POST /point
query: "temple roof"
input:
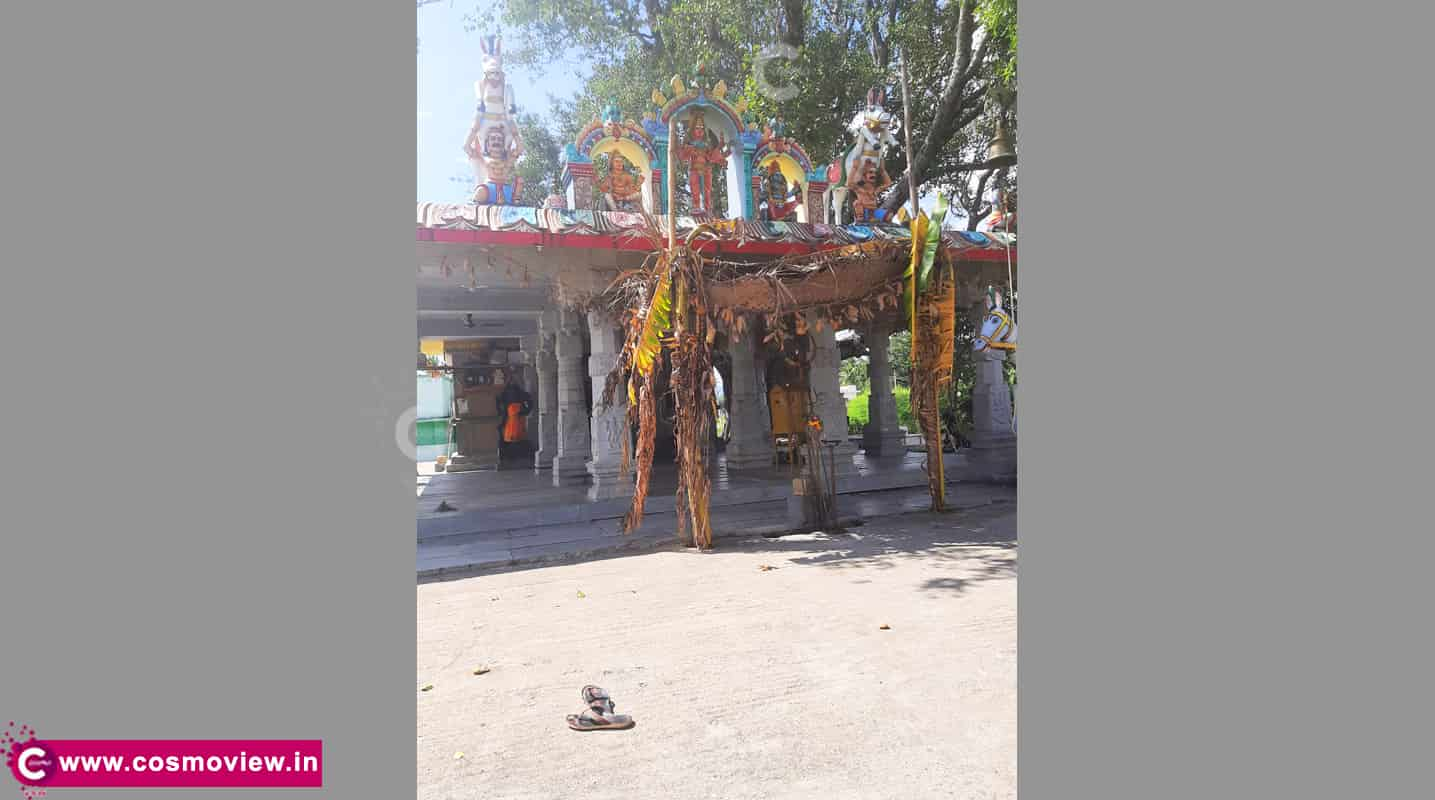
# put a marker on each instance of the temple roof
(523, 225)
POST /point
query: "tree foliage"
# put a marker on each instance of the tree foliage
(540, 166)
(853, 372)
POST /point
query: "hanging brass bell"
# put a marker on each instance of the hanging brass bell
(1001, 153)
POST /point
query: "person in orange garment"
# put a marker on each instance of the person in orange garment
(514, 405)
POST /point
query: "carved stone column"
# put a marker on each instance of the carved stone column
(546, 392)
(883, 437)
(751, 444)
(829, 404)
(609, 423)
(993, 451)
(569, 463)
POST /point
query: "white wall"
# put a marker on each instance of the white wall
(435, 397)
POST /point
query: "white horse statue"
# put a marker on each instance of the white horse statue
(496, 109)
(998, 331)
(875, 130)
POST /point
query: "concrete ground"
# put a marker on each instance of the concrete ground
(744, 683)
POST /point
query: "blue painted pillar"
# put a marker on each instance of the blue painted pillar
(748, 148)
(661, 145)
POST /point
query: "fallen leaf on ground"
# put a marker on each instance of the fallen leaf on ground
(580, 593)
(885, 628)
(458, 755)
(426, 687)
(480, 670)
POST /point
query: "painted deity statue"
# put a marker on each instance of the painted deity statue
(774, 136)
(698, 156)
(622, 188)
(778, 202)
(493, 141)
(1003, 216)
(998, 331)
(871, 181)
(499, 157)
(875, 130)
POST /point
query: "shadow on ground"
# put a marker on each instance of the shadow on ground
(980, 543)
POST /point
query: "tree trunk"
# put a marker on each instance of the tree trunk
(795, 22)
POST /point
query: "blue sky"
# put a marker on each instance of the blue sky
(448, 64)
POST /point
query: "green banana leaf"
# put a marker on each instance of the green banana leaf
(934, 240)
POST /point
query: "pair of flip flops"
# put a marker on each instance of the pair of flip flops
(599, 716)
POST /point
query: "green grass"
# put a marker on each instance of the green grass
(857, 410)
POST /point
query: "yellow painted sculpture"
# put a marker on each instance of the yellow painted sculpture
(622, 187)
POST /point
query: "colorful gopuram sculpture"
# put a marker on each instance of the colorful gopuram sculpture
(778, 202)
(493, 145)
(875, 130)
(622, 186)
(616, 164)
(698, 155)
(712, 131)
(862, 171)
(870, 181)
(784, 180)
(626, 184)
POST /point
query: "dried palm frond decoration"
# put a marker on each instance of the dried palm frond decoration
(931, 298)
(667, 303)
(677, 302)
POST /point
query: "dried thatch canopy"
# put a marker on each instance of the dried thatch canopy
(853, 274)
(847, 285)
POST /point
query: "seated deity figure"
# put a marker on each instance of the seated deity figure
(778, 201)
(622, 189)
(499, 158)
(873, 181)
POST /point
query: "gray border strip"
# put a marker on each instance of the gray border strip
(209, 208)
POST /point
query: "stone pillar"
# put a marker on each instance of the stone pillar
(993, 451)
(751, 444)
(610, 432)
(572, 439)
(545, 393)
(829, 404)
(883, 437)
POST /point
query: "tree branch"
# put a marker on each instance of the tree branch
(949, 106)
(653, 9)
(980, 57)
(881, 36)
(975, 214)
